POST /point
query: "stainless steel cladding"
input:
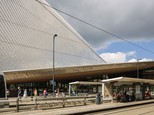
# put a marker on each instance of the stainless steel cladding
(27, 28)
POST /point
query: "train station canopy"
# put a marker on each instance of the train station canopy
(76, 73)
(124, 80)
(85, 83)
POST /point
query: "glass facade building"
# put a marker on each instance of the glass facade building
(27, 28)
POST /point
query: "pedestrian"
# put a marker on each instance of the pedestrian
(19, 92)
(45, 93)
(25, 94)
(8, 92)
(35, 92)
(148, 94)
(58, 92)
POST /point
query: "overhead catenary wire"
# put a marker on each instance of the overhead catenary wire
(72, 32)
(98, 28)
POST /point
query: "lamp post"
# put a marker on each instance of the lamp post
(53, 74)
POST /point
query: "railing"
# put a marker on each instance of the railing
(45, 103)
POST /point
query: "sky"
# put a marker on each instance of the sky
(131, 20)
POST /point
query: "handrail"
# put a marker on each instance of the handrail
(70, 97)
(4, 101)
(54, 101)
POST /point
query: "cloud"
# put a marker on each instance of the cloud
(129, 19)
(132, 60)
(140, 60)
(145, 59)
(122, 57)
(118, 57)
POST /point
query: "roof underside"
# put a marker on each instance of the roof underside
(72, 73)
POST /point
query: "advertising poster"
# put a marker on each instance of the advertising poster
(138, 89)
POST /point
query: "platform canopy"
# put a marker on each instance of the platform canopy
(74, 73)
(128, 80)
(85, 83)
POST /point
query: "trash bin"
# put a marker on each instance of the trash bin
(98, 98)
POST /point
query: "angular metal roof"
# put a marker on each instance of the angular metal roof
(73, 73)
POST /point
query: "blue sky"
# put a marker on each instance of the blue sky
(132, 20)
(127, 48)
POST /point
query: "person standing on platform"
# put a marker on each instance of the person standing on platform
(35, 92)
(148, 94)
(45, 93)
(25, 94)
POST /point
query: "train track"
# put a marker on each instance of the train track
(145, 109)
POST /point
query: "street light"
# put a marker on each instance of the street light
(53, 74)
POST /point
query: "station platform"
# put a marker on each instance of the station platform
(80, 109)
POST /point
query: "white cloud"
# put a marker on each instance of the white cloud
(118, 57)
(140, 60)
(129, 19)
(145, 59)
(121, 57)
(132, 60)
(132, 20)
